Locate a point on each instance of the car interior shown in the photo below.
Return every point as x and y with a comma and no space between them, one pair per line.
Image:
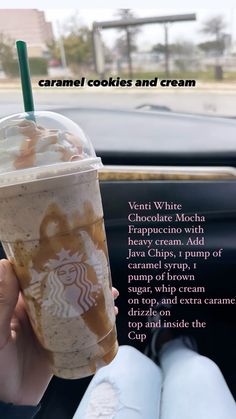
163,156
159,155
154,91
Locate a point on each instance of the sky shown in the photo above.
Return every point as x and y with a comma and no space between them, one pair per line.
93,4
149,34
89,11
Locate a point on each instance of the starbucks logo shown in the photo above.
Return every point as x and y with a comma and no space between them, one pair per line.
67,290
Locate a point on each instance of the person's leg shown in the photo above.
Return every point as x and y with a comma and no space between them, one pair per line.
193,386
128,388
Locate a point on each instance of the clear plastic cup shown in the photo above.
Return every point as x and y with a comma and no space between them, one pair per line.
52,230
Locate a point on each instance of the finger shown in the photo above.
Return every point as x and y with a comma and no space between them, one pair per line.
9,292
116,310
20,309
115,293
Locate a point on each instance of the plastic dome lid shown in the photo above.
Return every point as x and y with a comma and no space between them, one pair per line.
42,144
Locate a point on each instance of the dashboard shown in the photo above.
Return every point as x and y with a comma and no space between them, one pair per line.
160,138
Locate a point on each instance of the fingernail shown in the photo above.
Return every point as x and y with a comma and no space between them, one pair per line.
2,270
116,293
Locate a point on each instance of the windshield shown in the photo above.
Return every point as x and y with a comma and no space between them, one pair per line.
154,60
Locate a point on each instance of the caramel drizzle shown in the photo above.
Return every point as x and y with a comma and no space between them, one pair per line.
67,236
32,135
26,157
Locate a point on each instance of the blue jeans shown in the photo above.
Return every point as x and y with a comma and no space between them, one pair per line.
185,386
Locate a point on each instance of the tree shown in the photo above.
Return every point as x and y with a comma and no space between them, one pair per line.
177,48
54,50
212,46
126,43
121,43
214,27
183,51
78,44
7,57
160,48
79,47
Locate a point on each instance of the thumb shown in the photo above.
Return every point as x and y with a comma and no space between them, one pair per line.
9,293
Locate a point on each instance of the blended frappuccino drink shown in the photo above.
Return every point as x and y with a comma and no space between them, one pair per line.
52,231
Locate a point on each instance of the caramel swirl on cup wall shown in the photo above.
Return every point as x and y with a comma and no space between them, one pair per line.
57,233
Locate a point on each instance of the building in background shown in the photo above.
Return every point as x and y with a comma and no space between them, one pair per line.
29,25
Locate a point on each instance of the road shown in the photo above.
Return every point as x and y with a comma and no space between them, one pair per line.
219,102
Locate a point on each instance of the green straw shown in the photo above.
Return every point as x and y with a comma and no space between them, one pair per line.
25,76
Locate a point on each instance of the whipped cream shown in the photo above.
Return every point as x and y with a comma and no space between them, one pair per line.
24,144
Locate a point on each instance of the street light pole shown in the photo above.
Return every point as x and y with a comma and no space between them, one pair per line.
128,40
167,70
61,48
